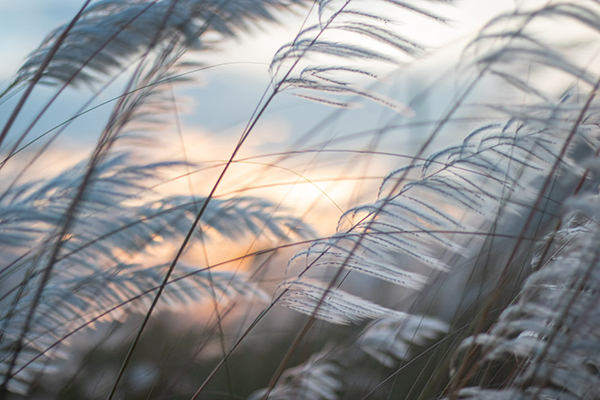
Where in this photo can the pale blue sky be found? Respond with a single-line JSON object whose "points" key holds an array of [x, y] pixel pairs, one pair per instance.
{"points": [[226, 96]]}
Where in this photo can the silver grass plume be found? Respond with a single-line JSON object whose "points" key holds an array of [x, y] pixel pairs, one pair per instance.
{"points": [[436, 215], [70, 252], [110, 33], [324, 375], [115, 34], [548, 339], [402, 238], [389, 339], [464, 201], [318, 378], [544, 343], [93, 279], [510, 47], [483, 185], [325, 63]]}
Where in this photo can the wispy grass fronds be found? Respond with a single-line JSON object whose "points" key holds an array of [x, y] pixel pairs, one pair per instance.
{"points": [[312, 297], [72, 241], [93, 273], [347, 31], [511, 206], [71, 303], [390, 339], [451, 203], [512, 48], [387, 340], [318, 378], [111, 33], [545, 345], [110, 219]]}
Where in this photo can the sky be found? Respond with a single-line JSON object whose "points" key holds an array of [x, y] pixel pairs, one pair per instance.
{"points": [[214, 110], [25, 23]]}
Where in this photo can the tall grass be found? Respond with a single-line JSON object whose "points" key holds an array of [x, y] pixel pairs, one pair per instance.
{"points": [[470, 273]]}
